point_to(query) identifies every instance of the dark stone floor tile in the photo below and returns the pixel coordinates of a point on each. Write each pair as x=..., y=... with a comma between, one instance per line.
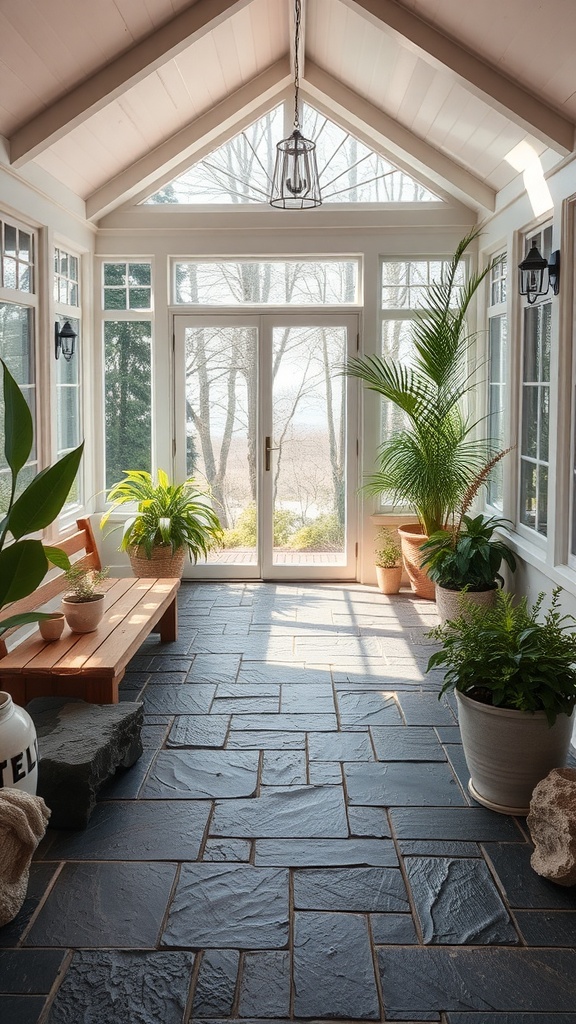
x=402, y=784
x=357, y=889
x=284, y=723
x=197, y=774
x=340, y=746
x=460, y=768
x=114, y=905
x=423, y=980
x=255, y=674
x=284, y=768
x=29, y=972
x=260, y=687
x=393, y=930
x=449, y=734
x=135, y=830
x=457, y=903
x=246, y=705
x=216, y=667
x=523, y=887
x=198, y=731
x=121, y=987
x=333, y=968
x=234, y=850
x=308, y=812
x=438, y=848
x=40, y=877
x=127, y=782
x=166, y=663
x=544, y=928
x=511, y=1018
x=21, y=1009
x=179, y=700
x=265, y=988
x=415, y=743
x=298, y=853
x=153, y=736
x=425, y=709
x=299, y=698
x=219, y=906
x=216, y=984
x=368, y=707
x=261, y=740
x=325, y=773
x=162, y=678
x=461, y=823
x=368, y=821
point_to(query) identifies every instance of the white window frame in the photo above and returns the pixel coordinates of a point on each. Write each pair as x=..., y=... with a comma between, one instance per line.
x=62, y=312
x=497, y=309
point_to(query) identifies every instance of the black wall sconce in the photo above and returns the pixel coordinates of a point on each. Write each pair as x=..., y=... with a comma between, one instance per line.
x=64, y=340
x=537, y=274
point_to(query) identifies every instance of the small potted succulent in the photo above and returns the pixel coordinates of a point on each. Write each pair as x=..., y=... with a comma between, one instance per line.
x=83, y=605
x=388, y=562
x=514, y=673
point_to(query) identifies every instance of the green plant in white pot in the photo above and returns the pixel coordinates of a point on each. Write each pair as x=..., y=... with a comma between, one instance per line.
x=513, y=668
x=388, y=560
x=171, y=521
x=83, y=603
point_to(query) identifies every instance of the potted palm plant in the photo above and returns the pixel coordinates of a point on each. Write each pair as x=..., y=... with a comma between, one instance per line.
x=432, y=458
x=388, y=558
x=514, y=673
x=464, y=563
x=171, y=521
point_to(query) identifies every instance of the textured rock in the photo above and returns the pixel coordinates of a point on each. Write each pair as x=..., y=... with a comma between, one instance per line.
x=552, y=824
x=23, y=820
x=103, y=986
x=265, y=990
x=81, y=746
x=333, y=969
x=523, y=888
x=216, y=983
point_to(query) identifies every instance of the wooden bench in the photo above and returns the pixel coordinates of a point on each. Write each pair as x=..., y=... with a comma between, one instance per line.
x=87, y=665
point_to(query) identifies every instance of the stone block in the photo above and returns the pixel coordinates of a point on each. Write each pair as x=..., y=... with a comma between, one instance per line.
x=552, y=824
x=80, y=747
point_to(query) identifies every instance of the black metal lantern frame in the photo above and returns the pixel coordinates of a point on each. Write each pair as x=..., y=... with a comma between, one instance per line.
x=537, y=274
x=64, y=340
x=295, y=184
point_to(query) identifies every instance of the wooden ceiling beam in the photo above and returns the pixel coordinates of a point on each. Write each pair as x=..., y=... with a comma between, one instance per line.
x=403, y=147
x=119, y=75
x=505, y=95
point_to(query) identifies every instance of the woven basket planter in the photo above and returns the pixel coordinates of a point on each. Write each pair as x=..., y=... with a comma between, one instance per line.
x=162, y=565
x=453, y=603
x=411, y=540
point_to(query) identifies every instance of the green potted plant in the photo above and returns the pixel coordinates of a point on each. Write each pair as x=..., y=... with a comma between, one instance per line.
x=388, y=559
x=464, y=563
x=513, y=668
x=430, y=461
x=24, y=561
x=171, y=521
x=83, y=604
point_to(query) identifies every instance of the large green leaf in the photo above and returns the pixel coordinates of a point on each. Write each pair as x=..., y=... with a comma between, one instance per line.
x=42, y=501
x=57, y=557
x=23, y=566
x=22, y=619
x=18, y=427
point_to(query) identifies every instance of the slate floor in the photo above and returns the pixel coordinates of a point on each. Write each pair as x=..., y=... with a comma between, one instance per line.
x=296, y=842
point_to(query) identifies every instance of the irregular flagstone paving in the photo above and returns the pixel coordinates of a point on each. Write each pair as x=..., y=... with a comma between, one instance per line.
x=296, y=843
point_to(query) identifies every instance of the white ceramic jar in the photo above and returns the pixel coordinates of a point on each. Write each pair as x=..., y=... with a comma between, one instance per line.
x=18, y=747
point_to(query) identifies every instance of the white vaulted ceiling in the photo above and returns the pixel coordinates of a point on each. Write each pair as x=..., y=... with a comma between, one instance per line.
x=111, y=94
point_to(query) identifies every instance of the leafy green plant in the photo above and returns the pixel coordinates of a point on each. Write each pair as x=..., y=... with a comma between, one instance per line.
x=24, y=561
x=430, y=461
x=505, y=657
x=83, y=583
x=387, y=554
x=468, y=557
x=326, y=533
x=244, y=533
x=175, y=515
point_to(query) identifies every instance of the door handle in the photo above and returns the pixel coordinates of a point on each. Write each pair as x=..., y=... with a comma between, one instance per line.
x=267, y=449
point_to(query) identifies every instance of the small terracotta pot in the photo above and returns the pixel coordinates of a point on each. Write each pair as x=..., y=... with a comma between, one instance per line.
x=51, y=629
x=83, y=616
x=389, y=579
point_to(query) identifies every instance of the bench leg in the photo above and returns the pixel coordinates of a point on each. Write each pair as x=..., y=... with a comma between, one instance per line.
x=168, y=624
x=95, y=691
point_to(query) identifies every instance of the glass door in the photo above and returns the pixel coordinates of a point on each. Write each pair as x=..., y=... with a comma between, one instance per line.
x=266, y=420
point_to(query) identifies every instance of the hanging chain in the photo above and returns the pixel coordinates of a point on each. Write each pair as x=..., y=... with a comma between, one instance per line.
x=297, y=17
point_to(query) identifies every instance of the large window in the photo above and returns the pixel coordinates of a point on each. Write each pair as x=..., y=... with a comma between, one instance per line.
x=68, y=408
x=266, y=282
x=497, y=364
x=535, y=407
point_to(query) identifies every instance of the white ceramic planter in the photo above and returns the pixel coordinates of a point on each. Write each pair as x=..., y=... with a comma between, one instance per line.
x=509, y=752
x=84, y=616
x=452, y=603
x=18, y=747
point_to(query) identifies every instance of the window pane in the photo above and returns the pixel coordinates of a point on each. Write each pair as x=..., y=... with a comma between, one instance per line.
x=115, y=273
x=546, y=318
x=10, y=271
x=530, y=402
x=277, y=282
x=139, y=273
x=405, y=282
x=531, y=352
x=139, y=298
x=10, y=234
x=528, y=494
x=114, y=298
x=16, y=349
x=127, y=354
x=543, y=500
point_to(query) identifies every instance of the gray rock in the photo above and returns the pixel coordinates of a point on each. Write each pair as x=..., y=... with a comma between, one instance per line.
x=81, y=746
x=552, y=824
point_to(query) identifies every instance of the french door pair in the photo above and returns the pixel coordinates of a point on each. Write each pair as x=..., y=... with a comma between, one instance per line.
x=266, y=418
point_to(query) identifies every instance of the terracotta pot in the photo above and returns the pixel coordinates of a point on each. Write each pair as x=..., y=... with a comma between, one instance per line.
x=83, y=616
x=389, y=579
x=52, y=628
x=162, y=565
x=411, y=540
x=452, y=603
x=18, y=747
x=509, y=752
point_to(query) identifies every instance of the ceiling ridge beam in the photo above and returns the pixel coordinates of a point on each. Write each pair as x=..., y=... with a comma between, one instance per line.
x=417, y=156
x=205, y=133
x=508, y=97
x=125, y=71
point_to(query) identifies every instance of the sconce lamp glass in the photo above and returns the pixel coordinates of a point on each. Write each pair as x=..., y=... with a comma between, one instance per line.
x=537, y=274
x=64, y=340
